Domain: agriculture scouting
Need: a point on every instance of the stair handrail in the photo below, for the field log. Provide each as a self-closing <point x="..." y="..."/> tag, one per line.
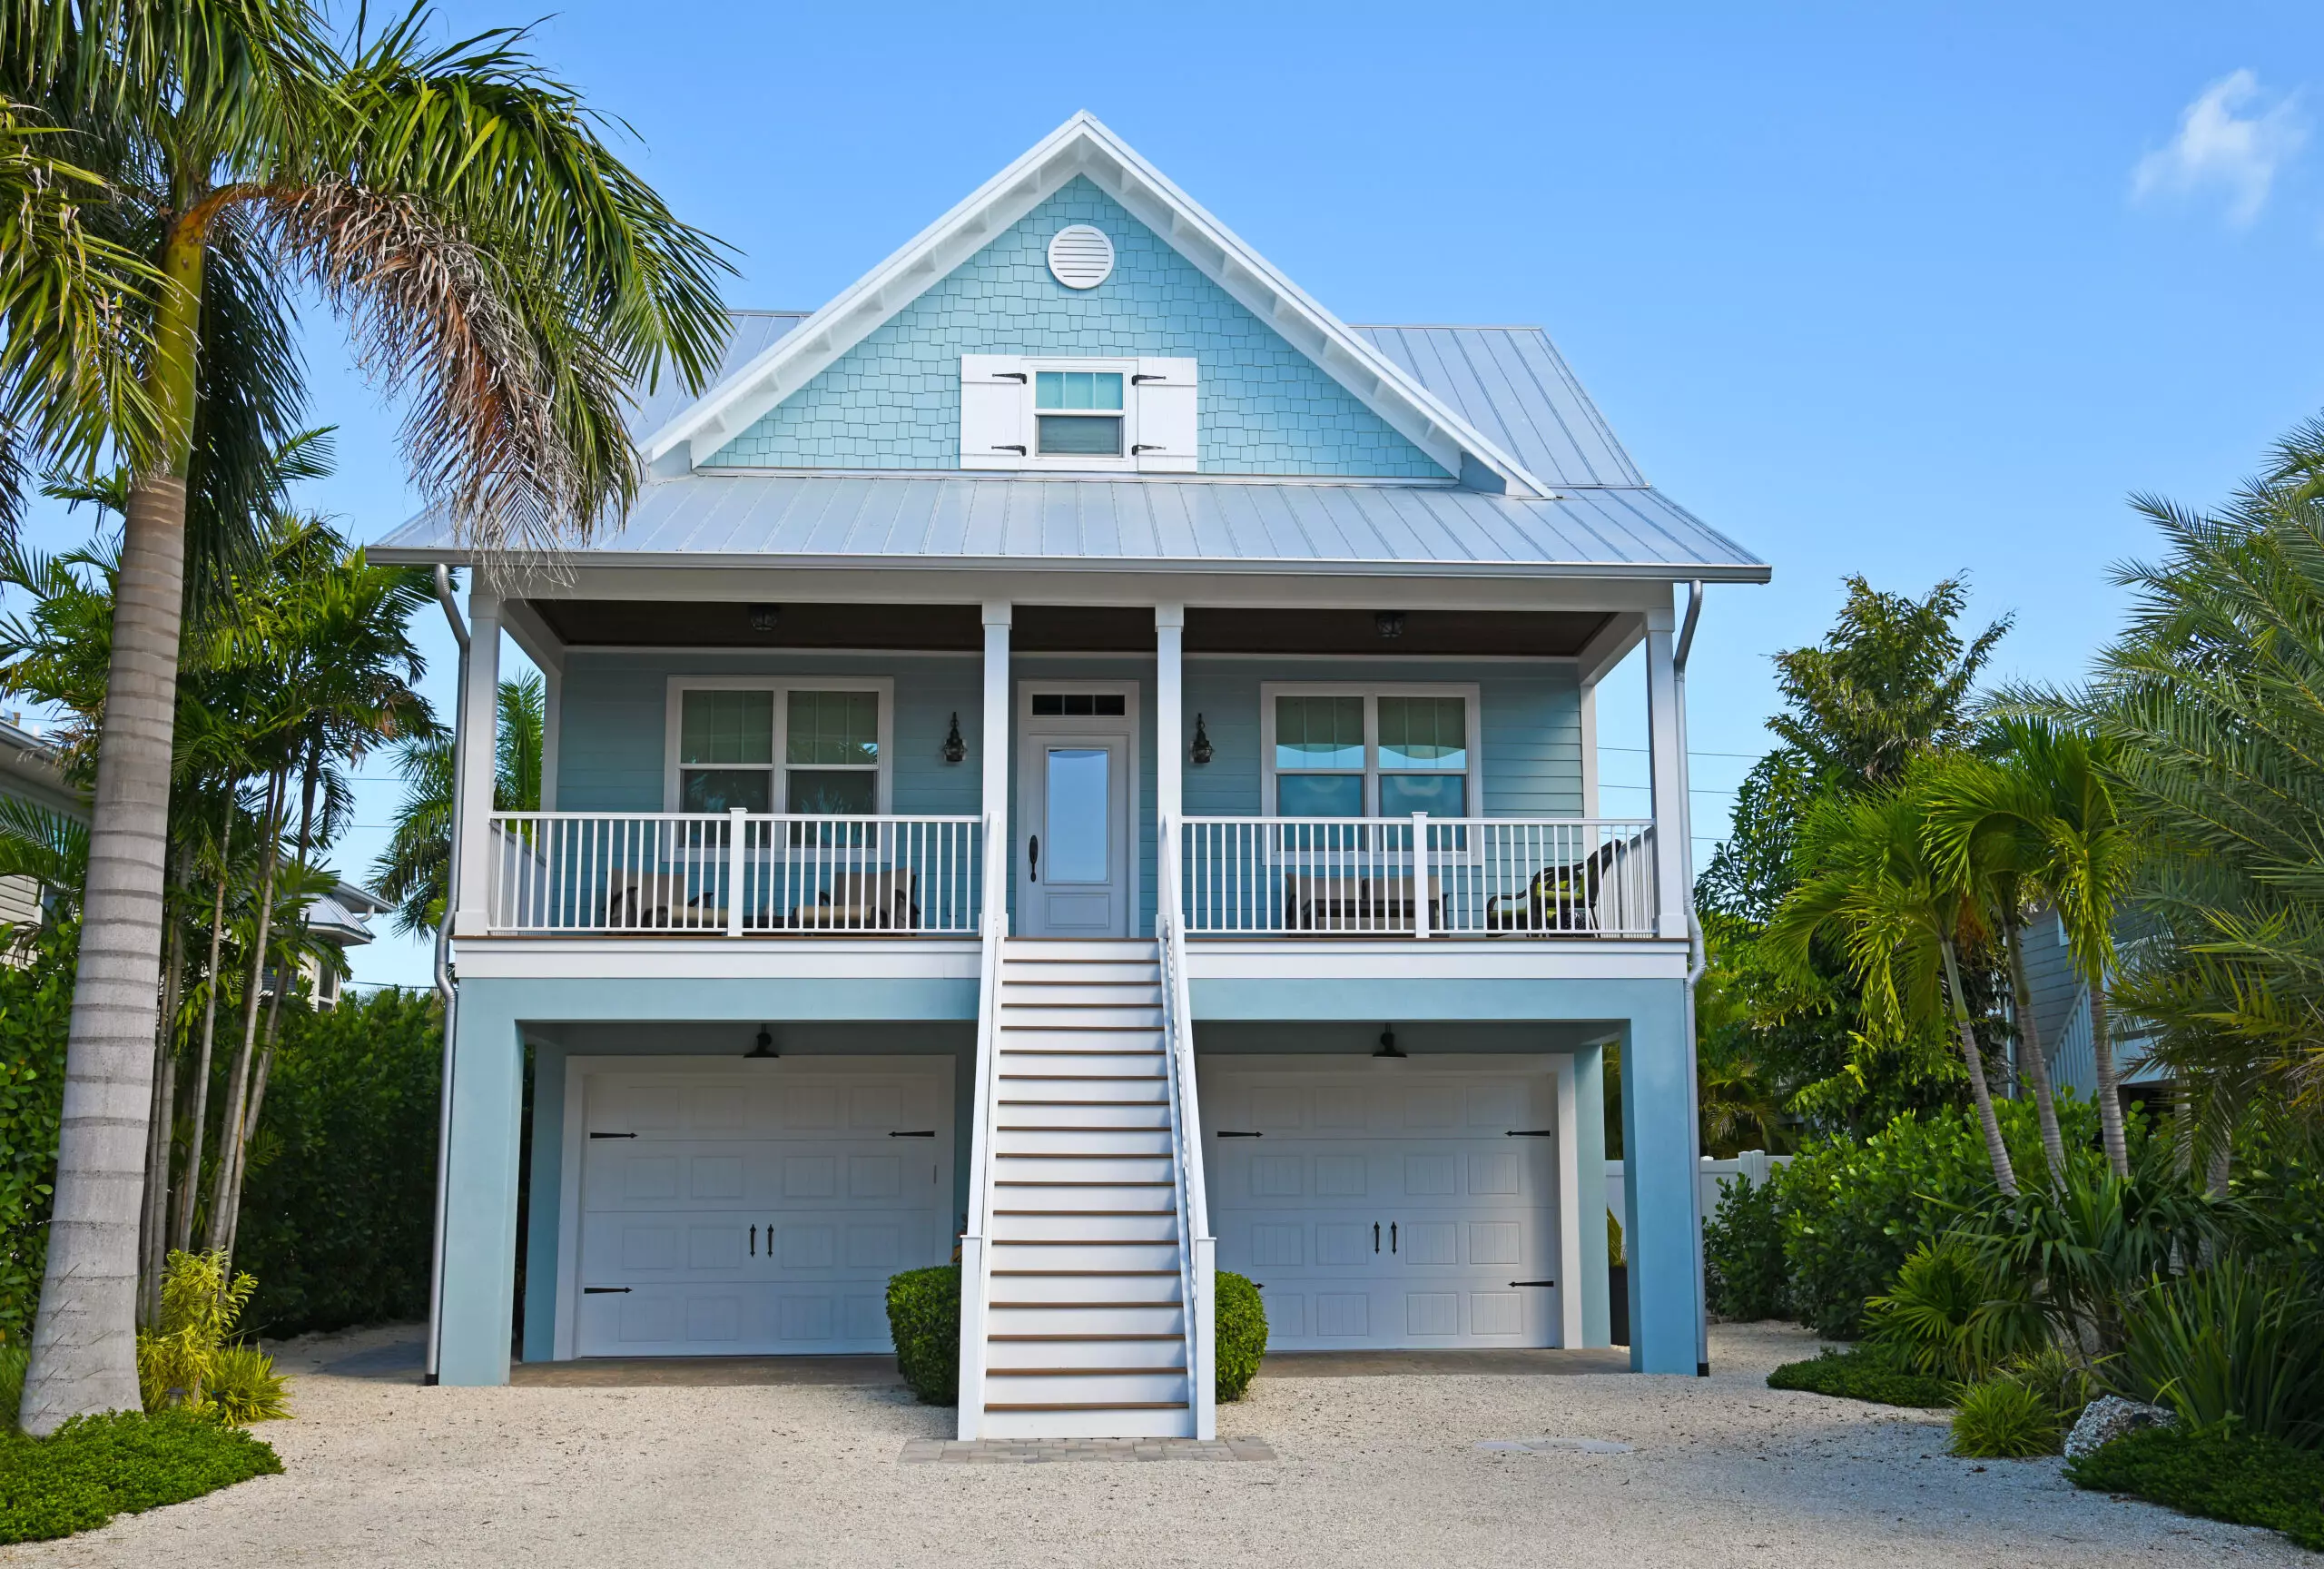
<point x="1197" y="1250"/>
<point x="976" y="1270"/>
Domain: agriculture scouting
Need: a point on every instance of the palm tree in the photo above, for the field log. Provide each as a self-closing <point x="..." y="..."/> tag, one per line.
<point x="495" y="264"/>
<point x="1899" y="920"/>
<point x="414" y="871"/>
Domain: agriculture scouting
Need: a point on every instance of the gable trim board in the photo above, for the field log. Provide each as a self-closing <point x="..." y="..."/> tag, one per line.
<point x="1084" y="148"/>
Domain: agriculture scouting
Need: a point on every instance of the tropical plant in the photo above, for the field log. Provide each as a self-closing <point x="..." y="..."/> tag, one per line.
<point x="200" y="1301"/>
<point x="1899" y="919"/>
<point x="492" y="261"/>
<point x="2002" y="1419"/>
<point x="1953" y="1318"/>
<point x="1745" y="1275"/>
<point x="414" y="871"/>
<point x="2232" y="1344"/>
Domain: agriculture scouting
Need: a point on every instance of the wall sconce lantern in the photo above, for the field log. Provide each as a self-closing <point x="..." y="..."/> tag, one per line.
<point x="955" y="749"/>
<point x="1389" y="624"/>
<point x="762" y="1048"/>
<point x="763" y="617"/>
<point x="1201" y="752"/>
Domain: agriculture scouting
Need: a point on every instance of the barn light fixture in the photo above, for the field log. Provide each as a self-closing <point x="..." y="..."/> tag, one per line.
<point x="1389" y="624"/>
<point x="764" y="617"/>
<point x="1387" y="1042"/>
<point x="763" y="1049"/>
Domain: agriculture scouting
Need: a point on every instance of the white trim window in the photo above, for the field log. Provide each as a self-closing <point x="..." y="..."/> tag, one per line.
<point x="1029" y="411"/>
<point x="800" y="744"/>
<point x="1336" y="749"/>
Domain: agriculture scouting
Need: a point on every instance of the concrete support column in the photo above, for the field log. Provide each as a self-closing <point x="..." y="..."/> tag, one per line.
<point x="1587" y="1140"/>
<point x="478" y="755"/>
<point x="480" y="1179"/>
<point x="996" y="742"/>
<point x="1659" y="1168"/>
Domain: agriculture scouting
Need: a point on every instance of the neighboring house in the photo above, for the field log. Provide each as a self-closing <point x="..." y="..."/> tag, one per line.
<point x="1080" y="756"/>
<point x="2061" y="1018"/>
<point x="341" y="918"/>
<point x="29" y="773"/>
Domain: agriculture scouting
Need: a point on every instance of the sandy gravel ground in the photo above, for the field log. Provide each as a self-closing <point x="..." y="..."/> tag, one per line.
<point x="1373" y="1471"/>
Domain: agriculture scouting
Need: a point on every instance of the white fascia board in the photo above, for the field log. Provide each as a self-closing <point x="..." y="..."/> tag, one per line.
<point x="1609" y="647"/>
<point x="532" y="634"/>
<point x="1083" y="145"/>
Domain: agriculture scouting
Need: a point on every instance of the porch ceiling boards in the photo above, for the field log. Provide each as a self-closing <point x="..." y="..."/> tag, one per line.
<point x="854" y="520"/>
<point x="1061" y="629"/>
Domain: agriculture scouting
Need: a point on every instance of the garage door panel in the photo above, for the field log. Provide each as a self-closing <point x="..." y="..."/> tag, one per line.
<point x="1463" y="1210"/>
<point x="757" y="1214"/>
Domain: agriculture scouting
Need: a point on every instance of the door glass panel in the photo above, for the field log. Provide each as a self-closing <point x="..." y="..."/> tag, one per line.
<point x="1074" y="849"/>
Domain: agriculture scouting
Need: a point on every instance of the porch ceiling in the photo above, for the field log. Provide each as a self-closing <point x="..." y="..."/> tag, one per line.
<point x="1075" y="628"/>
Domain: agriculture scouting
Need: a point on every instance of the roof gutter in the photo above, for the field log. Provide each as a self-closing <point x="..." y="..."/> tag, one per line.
<point x="1697" y="962"/>
<point x="446" y="989"/>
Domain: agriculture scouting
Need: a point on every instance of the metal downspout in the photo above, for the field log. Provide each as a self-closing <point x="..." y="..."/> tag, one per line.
<point x="1698" y="962"/>
<point x="444" y="990"/>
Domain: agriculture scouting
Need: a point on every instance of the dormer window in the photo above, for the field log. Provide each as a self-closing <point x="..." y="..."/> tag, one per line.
<point x="1030" y="411"/>
<point x="1077" y="413"/>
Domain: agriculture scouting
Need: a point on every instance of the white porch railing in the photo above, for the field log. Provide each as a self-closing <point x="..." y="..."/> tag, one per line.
<point x="1419" y="877"/>
<point x="1197" y="1249"/>
<point x="733" y="873"/>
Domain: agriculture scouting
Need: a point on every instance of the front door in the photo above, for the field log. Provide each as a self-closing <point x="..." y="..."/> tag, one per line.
<point x="1072" y="839"/>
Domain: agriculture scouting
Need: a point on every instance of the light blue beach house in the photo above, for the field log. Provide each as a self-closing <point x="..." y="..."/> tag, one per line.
<point x="1082" y="761"/>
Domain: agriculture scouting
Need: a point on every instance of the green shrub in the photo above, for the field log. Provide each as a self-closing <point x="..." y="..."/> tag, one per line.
<point x="1743" y="1261"/>
<point x="1870" y="1373"/>
<point x="2002" y="1419"/>
<point x="244" y="1387"/>
<point x="94" y="1468"/>
<point x="1950" y="1316"/>
<point x="924" y="1318"/>
<point x="342" y="1194"/>
<point x="2061" y="1379"/>
<point x="2238" y="1344"/>
<point x="1853" y="1210"/>
<point x="35" y="1011"/>
<point x="1241" y="1333"/>
<point x="2212" y="1472"/>
<point x="13" y="1353"/>
<point x="187" y="1358"/>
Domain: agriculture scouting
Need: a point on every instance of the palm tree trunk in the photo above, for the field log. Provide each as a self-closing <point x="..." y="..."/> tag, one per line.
<point x="2110" y="1094"/>
<point x="155" y="1222"/>
<point x="2035" y="1068"/>
<point x="250" y="1131"/>
<point x="1996" y="1149"/>
<point x="230" y="1130"/>
<point x="83" y="1355"/>
<point x="190" y="1189"/>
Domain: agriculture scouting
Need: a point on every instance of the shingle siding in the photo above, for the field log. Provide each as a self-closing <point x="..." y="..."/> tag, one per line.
<point x="894" y="401"/>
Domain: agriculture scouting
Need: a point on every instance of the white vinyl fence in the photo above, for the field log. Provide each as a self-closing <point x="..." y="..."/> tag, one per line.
<point x="1713" y="1180"/>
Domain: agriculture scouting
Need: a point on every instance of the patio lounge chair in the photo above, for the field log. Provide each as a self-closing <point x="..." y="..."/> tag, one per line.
<point x="1560" y="899"/>
<point x="863" y="901"/>
<point x="1348" y="903"/>
<point x="658" y="901"/>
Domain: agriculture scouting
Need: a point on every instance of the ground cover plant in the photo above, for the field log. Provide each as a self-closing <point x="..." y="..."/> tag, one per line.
<point x="1872" y="1372"/>
<point x="2246" y="1481"/>
<point x="94" y="1468"/>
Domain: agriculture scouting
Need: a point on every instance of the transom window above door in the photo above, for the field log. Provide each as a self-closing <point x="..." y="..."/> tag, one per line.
<point x="804" y="749"/>
<point x="1079" y="704"/>
<point x="1387" y="752"/>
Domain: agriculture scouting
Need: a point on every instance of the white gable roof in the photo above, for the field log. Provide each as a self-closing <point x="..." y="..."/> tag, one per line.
<point x="1083" y="147"/>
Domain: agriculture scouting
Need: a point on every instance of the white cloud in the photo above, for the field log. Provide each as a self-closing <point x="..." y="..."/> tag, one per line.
<point x="2218" y="149"/>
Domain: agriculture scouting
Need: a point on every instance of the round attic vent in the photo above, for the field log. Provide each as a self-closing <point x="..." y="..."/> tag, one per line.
<point x="1081" y="257"/>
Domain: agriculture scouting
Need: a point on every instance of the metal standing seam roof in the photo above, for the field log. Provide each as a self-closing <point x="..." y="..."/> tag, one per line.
<point x="860" y="518"/>
<point x="1509" y="382"/>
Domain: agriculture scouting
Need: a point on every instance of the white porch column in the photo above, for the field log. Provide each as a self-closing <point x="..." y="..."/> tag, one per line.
<point x="552" y="710"/>
<point x="477" y="758"/>
<point x="1666" y="737"/>
<point x="997" y="743"/>
<point x="1170" y="718"/>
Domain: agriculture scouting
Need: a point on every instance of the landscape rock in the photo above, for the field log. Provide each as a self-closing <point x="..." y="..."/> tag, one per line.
<point x="2109" y="1418"/>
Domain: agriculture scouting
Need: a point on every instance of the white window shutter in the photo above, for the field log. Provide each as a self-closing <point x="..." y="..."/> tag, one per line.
<point x="1165" y="438"/>
<point x="993" y="397"/>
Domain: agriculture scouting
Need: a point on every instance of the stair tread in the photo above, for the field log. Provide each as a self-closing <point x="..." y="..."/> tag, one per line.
<point x="1073" y="1372"/>
<point x="1162" y="1336"/>
<point x="1091" y="1406"/>
<point x="1086" y="1274"/>
<point x="1148" y="1214"/>
<point x="1094" y="1307"/>
<point x="1084" y="1242"/>
<point x="1058" y="1182"/>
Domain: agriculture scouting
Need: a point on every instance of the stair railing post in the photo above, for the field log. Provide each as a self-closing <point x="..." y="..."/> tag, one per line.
<point x="1420" y="875"/>
<point x="735" y="817"/>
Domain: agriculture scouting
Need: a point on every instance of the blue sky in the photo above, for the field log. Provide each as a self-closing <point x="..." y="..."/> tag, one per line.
<point x="1900" y="289"/>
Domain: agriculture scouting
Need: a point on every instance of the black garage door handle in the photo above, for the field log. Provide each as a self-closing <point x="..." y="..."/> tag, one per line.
<point x="916" y="1133"/>
<point x="604" y="1290"/>
<point x="594" y="1134"/>
<point x="1532" y="1282"/>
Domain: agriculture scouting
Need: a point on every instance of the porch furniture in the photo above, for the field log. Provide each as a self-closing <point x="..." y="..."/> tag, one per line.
<point x="1336" y="902"/>
<point x="863" y="901"/>
<point x="1562" y="898"/>
<point x="659" y="902"/>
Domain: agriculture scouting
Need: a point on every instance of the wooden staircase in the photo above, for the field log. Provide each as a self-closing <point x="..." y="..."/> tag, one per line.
<point x="1086" y="1326"/>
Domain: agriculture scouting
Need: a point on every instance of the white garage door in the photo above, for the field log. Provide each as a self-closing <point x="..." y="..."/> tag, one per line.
<point x="728" y="1210"/>
<point x="1398" y="1204"/>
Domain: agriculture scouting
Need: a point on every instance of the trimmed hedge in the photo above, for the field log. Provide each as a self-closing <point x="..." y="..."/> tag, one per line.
<point x="94" y="1468"/>
<point x="1864" y="1373"/>
<point x="2242" y="1480"/>
<point x="924" y="1319"/>
<point x="1746" y="1276"/>
<point x="1242" y="1340"/>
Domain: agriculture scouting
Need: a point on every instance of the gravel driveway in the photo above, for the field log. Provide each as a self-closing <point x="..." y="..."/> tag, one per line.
<point x="1371" y="1471"/>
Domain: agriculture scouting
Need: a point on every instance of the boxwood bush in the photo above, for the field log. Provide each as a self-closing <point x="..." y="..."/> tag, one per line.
<point x="924" y="1318"/>
<point x="94" y="1468"/>
<point x="1242" y="1339"/>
